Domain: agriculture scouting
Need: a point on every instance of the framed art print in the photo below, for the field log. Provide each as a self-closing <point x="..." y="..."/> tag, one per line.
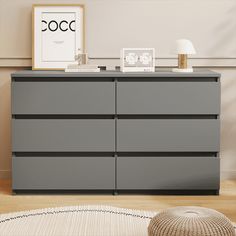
<point x="137" y="60"/>
<point x="58" y="35"/>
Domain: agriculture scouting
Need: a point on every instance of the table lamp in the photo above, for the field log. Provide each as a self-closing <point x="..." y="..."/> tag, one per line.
<point x="183" y="48"/>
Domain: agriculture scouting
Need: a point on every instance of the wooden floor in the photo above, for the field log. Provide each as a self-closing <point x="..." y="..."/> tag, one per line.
<point x="225" y="203"/>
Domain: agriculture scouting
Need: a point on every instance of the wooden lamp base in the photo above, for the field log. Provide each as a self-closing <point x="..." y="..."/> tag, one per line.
<point x="182" y="64"/>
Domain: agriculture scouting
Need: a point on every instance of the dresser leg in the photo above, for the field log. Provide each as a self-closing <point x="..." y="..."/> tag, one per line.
<point x="13" y="193"/>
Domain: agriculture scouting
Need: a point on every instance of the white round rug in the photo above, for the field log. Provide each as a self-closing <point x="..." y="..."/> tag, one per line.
<point x="76" y="221"/>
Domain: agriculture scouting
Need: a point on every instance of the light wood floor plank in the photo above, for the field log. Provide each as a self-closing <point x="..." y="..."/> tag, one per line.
<point x="225" y="203"/>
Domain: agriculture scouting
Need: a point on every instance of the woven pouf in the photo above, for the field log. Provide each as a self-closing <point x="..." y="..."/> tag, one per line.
<point x="190" y="221"/>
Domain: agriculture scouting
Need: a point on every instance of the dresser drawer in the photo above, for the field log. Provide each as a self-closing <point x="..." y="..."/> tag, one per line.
<point x="170" y="135"/>
<point x="66" y="135"/>
<point x="168" y="98"/>
<point x="63" y="173"/>
<point x="181" y="173"/>
<point x="63" y="97"/>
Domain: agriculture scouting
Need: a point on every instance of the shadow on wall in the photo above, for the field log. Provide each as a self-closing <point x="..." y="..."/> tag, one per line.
<point x="225" y="34"/>
<point x="228" y="121"/>
<point x="5" y="115"/>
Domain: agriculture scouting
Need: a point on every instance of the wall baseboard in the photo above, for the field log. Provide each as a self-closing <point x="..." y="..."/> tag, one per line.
<point x="228" y="174"/>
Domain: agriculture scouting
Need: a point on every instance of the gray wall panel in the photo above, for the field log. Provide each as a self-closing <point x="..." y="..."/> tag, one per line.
<point x="167" y="173"/>
<point x="63" y="173"/>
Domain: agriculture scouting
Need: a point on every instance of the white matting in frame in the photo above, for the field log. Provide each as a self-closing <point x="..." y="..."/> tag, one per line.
<point x="58" y="35"/>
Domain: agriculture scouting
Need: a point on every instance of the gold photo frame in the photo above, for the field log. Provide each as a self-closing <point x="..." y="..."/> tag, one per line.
<point x="63" y="35"/>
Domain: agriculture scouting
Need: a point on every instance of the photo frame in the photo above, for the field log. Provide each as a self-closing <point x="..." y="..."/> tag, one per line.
<point x="137" y="60"/>
<point x="58" y="35"/>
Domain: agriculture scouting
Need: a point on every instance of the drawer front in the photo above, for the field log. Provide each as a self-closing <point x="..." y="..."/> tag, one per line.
<point x="63" y="173"/>
<point x="170" y="135"/>
<point x="168" y="173"/>
<point x="168" y="98"/>
<point x="67" y="135"/>
<point x="63" y="98"/>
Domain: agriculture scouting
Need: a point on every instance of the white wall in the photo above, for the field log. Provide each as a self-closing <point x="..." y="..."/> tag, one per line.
<point x="157" y="23"/>
<point x="113" y="24"/>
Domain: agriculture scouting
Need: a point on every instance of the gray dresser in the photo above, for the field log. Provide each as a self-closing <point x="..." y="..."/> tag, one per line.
<point x="116" y="131"/>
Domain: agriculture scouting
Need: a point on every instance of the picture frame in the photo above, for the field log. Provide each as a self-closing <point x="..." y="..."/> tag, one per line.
<point x="58" y="35"/>
<point x="137" y="60"/>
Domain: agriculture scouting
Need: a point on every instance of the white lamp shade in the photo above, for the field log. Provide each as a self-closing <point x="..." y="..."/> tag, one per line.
<point x="183" y="46"/>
